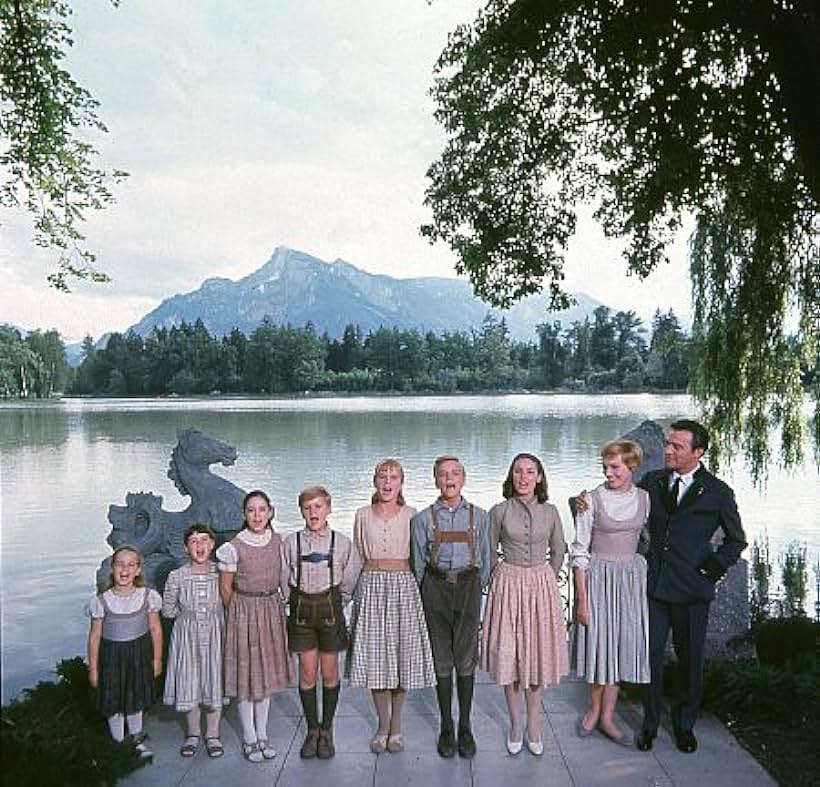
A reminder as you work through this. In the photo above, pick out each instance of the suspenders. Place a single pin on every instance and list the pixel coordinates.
(299, 558)
(452, 537)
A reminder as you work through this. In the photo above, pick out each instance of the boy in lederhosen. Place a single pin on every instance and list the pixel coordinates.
(323, 570)
(451, 560)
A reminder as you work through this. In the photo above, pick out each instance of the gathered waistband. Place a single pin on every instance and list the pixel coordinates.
(387, 564)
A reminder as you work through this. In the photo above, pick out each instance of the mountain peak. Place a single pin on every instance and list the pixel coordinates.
(295, 288)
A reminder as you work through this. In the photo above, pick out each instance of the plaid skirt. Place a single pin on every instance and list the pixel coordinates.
(390, 647)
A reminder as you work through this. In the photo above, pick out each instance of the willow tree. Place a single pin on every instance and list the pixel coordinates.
(652, 112)
(47, 160)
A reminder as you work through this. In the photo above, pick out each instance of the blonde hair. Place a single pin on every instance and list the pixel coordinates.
(630, 452)
(138, 579)
(388, 464)
(311, 492)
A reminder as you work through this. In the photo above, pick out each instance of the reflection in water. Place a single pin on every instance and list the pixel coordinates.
(63, 464)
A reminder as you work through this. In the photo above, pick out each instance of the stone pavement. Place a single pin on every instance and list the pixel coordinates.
(568, 761)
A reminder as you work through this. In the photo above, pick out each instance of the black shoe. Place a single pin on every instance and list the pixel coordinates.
(310, 746)
(324, 746)
(446, 744)
(686, 741)
(644, 741)
(466, 744)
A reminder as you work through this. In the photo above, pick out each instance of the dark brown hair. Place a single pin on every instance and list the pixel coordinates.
(508, 490)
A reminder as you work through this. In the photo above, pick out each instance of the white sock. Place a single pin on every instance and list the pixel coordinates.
(260, 717)
(246, 718)
(134, 722)
(116, 725)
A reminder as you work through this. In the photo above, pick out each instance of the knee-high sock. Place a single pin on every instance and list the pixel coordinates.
(246, 718)
(381, 699)
(260, 718)
(192, 722)
(134, 722)
(444, 695)
(464, 688)
(399, 696)
(330, 698)
(212, 719)
(116, 726)
(310, 707)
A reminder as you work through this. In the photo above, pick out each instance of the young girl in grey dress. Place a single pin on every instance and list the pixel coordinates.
(611, 635)
(125, 647)
(193, 674)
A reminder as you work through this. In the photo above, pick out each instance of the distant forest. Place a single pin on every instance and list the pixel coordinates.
(610, 351)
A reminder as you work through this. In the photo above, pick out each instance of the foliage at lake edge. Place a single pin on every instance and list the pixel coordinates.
(53, 734)
(773, 711)
(608, 352)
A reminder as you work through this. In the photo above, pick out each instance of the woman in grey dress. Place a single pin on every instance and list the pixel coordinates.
(611, 635)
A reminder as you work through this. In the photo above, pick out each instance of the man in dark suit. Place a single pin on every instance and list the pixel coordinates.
(688, 506)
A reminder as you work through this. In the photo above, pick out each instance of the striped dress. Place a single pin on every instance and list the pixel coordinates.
(390, 647)
(614, 646)
(193, 674)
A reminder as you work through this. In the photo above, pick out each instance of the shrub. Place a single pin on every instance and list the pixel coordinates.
(54, 735)
(781, 640)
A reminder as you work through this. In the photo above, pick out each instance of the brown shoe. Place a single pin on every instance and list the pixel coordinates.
(310, 746)
(325, 750)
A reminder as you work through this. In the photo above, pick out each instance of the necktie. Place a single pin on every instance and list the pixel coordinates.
(674, 491)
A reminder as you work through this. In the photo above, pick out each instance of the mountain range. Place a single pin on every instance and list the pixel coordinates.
(295, 288)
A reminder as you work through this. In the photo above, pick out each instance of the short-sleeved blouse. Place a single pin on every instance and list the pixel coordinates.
(124, 605)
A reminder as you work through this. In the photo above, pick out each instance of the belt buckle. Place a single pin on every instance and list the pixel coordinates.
(451, 576)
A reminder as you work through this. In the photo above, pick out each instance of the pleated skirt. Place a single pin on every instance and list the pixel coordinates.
(126, 671)
(524, 634)
(257, 662)
(390, 647)
(193, 674)
(614, 646)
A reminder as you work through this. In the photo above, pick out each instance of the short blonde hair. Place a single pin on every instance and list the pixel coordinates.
(630, 452)
(440, 460)
(312, 492)
(388, 464)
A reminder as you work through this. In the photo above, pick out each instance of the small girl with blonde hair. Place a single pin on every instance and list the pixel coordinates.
(125, 647)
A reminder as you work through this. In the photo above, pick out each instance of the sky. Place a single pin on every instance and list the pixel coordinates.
(247, 126)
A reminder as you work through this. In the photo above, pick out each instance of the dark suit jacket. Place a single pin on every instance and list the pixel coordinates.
(683, 565)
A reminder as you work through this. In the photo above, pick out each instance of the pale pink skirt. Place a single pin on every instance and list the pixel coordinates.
(524, 634)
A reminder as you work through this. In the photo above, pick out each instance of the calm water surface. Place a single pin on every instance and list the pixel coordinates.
(62, 464)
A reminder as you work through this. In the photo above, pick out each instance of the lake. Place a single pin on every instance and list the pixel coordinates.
(63, 463)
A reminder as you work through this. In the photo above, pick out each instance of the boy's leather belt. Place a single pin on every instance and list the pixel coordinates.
(452, 576)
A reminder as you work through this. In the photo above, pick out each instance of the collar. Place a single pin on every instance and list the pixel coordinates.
(312, 535)
(440, 504)
(685, 478)
(255, 539)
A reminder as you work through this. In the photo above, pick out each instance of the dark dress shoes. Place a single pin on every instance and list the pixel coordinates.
(446, 744)
(466, 744)
(644, 741)
(686, 741)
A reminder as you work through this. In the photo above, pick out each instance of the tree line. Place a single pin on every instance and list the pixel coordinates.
(608, 351)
